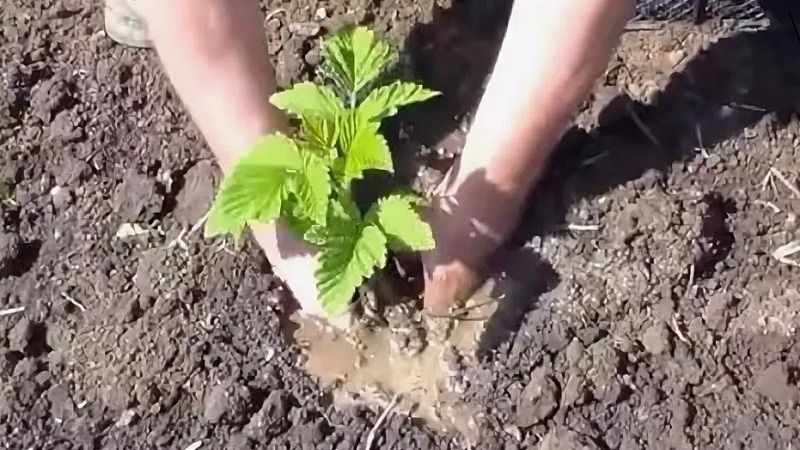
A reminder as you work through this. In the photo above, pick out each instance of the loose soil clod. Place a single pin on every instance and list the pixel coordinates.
(609, 342)
(10, 247)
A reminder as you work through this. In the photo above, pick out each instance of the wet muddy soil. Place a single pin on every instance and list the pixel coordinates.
(650, 299)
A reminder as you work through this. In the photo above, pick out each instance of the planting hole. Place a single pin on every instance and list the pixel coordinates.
(716, 239)
(355, 363)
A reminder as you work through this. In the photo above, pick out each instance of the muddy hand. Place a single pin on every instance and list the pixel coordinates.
(522, 114)
(470, 218)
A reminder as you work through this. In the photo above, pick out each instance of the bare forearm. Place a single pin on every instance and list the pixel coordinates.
(215, 54)
(551, 56)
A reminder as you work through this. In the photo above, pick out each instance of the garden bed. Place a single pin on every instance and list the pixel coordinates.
(645, 306)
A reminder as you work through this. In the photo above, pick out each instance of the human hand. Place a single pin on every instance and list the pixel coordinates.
(522, 114)
(471, 217)
(293, 261)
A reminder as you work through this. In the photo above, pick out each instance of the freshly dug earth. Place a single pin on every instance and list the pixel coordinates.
(657, 315)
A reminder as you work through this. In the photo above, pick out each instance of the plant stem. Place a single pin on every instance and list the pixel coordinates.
(353, 100)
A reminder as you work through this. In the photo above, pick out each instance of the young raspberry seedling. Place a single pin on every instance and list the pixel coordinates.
(306, 180)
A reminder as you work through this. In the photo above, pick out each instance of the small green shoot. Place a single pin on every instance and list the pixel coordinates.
(306, 179)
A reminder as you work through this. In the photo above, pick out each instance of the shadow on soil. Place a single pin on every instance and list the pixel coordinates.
(734, 84)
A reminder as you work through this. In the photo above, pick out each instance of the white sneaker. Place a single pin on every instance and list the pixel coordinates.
(124, 25)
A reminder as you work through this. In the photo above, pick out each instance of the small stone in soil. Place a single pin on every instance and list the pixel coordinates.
(63, 127)
(145, 393)
(126, 418)
(71, 170)
(312, 56)
(9, 249)
(61, 405)
(272, 413)
(574, 391)
(656, 339)
(538, 400)
(197, 194)
(137, 198)
(773, 383)
(574, 351)
(20, 335)
(217, 403)
(305, 29)
(238, 441)
(61, 197)
(129, 310)
(25, 369)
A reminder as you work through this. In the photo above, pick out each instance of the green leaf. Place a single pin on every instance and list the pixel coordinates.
(351, 253)
(385, 101)
(293, 216)
(255, 187)
(364, 149)
(401, 223)
(316, 234)
(356, 56)
(218, 223)
(341, 209)
(321, 136)
(309, 100)
(351, 250)
(319, 108)
(312, 188)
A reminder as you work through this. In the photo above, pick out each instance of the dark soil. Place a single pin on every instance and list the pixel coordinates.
(664, 321)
